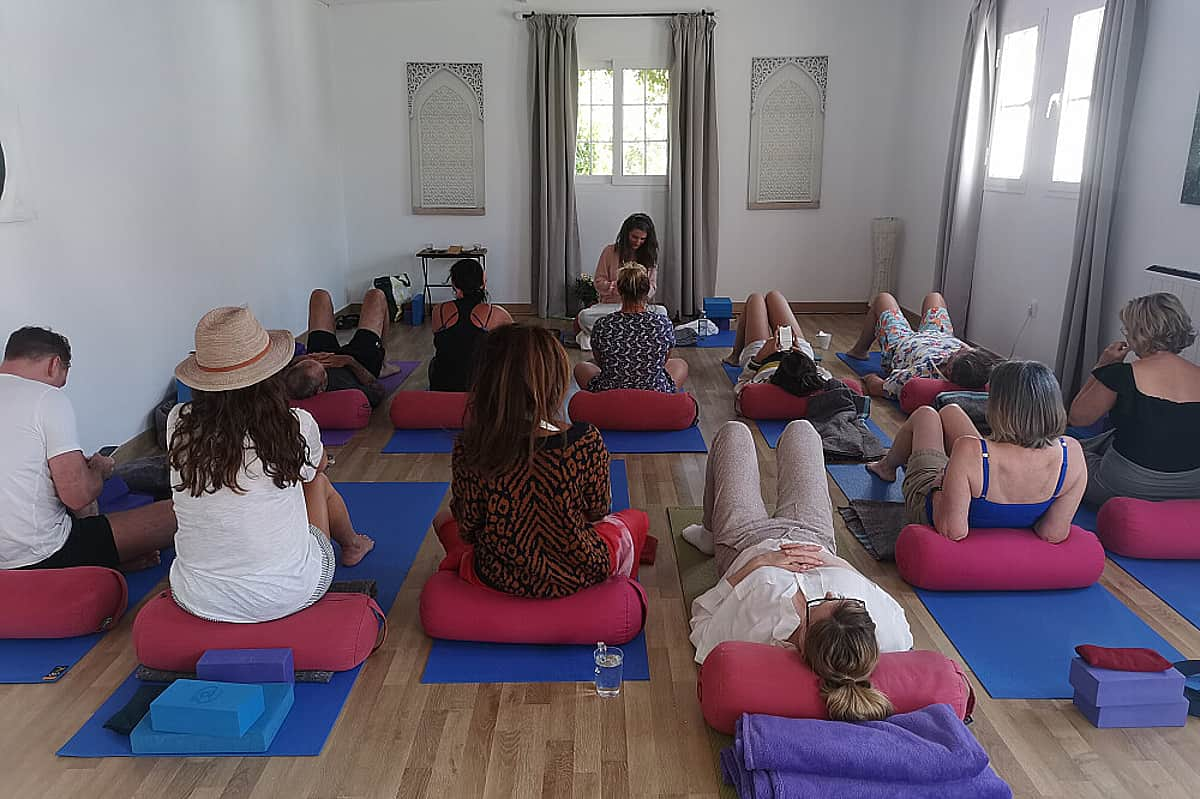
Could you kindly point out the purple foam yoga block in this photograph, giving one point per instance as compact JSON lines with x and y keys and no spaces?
{"x":1167,"y":714}
{"x":1104,"y":687}
{"x":246,"y":665}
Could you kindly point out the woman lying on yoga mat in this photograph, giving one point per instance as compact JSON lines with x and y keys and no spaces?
{"x":255,"y":508}
{"x":759,"y":349}
{"x":1026,"y":474}
{"x":459,"y":327}
{"x":632,"y":345}
{"x":531,"y":493}
{"x":1153,"y":452}
{"x":783,"y":582}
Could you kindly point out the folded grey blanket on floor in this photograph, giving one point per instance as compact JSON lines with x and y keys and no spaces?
{"x":876,"y":525}
{"x":844,"y":436}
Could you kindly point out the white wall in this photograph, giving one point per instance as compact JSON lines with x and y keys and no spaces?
{"x":183,"y":157}
{"x":1152,"y":226}
{"x":819,"y":254}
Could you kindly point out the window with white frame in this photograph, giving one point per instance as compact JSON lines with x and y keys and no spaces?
{"x":1014,"y":106}
{"x":1076,"y":97}
{"x":623,"y":123}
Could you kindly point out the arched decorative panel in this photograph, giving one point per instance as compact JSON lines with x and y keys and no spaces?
{"x":445,"y":113}
{"x":787,"y":128}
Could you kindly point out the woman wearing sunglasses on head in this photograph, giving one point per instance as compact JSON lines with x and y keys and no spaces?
{"x":783,"y":582}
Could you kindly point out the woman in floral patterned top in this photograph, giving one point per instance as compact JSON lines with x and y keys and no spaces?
{"x":531,"y":495}
{"x":632,"y":346}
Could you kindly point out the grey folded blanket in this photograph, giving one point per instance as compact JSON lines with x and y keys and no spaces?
{"x":844,"y":436}
{"x":876,"y":525}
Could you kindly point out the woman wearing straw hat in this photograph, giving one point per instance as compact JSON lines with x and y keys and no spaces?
{"x":255,"y":508}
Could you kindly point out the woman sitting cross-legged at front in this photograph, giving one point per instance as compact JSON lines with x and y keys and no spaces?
{"x":632,"y":346}
{"x":783,"y":582}
{"x":531,"y":494}
{"x":255,"y":508}
{"x":1025,"y":474}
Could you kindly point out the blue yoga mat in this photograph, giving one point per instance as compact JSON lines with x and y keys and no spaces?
{"x":1085,"y":517}
{"x":1020,"y":643}
{"x":1172,"y":581}
{"x":397,"y":516}
{"x":416,"y":442}
{"x":732,"y":372}
{"x":474,"y":662}
{"x":621,"y":442}
{"x":871,"y":365}
{"x":724,"y":339}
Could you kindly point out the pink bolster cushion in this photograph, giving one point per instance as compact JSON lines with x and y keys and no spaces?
{"x":613,"y":611}
{"x":60,"y":603}
{"x":769,"y":401}
{"x":335,"y":634}
{"x":920,"y":391}
{"x":429,"y":410}
{"x":1138,"y":528}
{"x":347,"y":409}
{"x":998,"y":559}
{"x":633,"y":409}
{"x":740,"y":677}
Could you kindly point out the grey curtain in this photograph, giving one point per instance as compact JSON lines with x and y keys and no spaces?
{"x":962,"y":194}
{"x":1114,"y":86}
{"x":553,"y":91}
{"x":694,"y":182}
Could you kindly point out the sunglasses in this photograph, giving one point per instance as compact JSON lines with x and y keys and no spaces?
{"x":812,"y":603}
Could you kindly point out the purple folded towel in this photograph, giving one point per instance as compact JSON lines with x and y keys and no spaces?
{"x":927,"y":754}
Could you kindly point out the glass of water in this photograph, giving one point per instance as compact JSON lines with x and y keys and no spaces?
{"x":609,"y":665}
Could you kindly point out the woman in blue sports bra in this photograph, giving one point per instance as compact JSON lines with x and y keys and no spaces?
{"x":1024,"y":474}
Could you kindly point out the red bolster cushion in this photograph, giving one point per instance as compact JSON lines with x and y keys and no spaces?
{"x":998,"y":559}
{"x":1138,"y":528}
{"x":334,"y":634}
{"x":60,"y":603}
{"x":347,"y":409}
{"x":613,"y":611}
{"x":634,"y":409}
{"x":429,"y":410}
{"x":740,"y":677}
{"x":920,"y":391}
{"x":769,"y":401}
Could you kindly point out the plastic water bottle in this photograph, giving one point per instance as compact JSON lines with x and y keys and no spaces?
{"x":702,"y":325}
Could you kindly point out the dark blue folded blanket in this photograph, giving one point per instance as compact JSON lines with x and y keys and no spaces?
{"x":926,"y":754}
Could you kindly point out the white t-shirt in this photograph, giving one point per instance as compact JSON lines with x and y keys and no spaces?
{"x":37,"y":423}
{"x":247,"y":557}
{"x":760,"y":608}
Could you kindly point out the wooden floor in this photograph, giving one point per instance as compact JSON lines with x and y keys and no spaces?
{"x":398,"y":738}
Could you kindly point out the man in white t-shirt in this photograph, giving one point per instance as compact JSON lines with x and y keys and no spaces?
{"x":48,"y":489}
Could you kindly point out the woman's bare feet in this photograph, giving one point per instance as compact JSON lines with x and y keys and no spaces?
{"x":881,"y":470}
{"x":731,"y":360}
{"x":147,"y":561}
{"x":355,"y":551}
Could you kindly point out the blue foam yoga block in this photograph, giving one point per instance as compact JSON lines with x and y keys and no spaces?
{"x":1168,"y":714}
{"x":203,"y":707}
{"x":718,"y":307}
{"x":1108,"y":687}
{"x":278,"y":699}
{"x":246,"y":665}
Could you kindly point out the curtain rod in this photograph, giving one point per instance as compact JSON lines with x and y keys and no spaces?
{"x":625,"y":15}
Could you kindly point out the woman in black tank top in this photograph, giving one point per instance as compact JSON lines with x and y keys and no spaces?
{"x":457,"y":342}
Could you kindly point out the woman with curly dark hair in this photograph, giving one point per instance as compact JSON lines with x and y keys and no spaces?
{"x":255,"y":508}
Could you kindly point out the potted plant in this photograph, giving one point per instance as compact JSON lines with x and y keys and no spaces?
{"x":585,"y":291}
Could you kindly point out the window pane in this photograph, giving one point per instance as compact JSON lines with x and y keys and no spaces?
{"x":584,"y":121}
{"x":656,"y":158}
{"x":1081,"y":57}
{"x":633,"y":125}
{"x":635,"y":159}
{"x":656,"y":122}
{"x":657,"y":85}
{"x":584,"y":156}
{"x":602,"y":165}
{"x":1009,"y":129}
{"x":631,"y":87}
{"x":1072,"y":135}
{"x":602,"y":122}
{"x":602,"y":87}
{"x":585,"y":86}
{"x":1017,"y":66}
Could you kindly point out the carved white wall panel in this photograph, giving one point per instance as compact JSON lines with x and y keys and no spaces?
{"x":787,"y":127}
{"x":445,"y":112}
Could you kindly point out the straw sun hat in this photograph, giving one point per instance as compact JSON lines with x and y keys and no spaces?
{"x":234,"y":351}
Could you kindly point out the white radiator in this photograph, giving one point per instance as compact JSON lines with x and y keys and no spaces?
{"x":1185,"y":285}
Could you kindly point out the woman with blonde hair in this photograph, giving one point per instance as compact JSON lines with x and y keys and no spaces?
{"x":531,"y":494}
{"x":1153,"y":450}
{"x":783,"y":582}
{"x":633,"y":346}
{"x":1026,"y":473}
